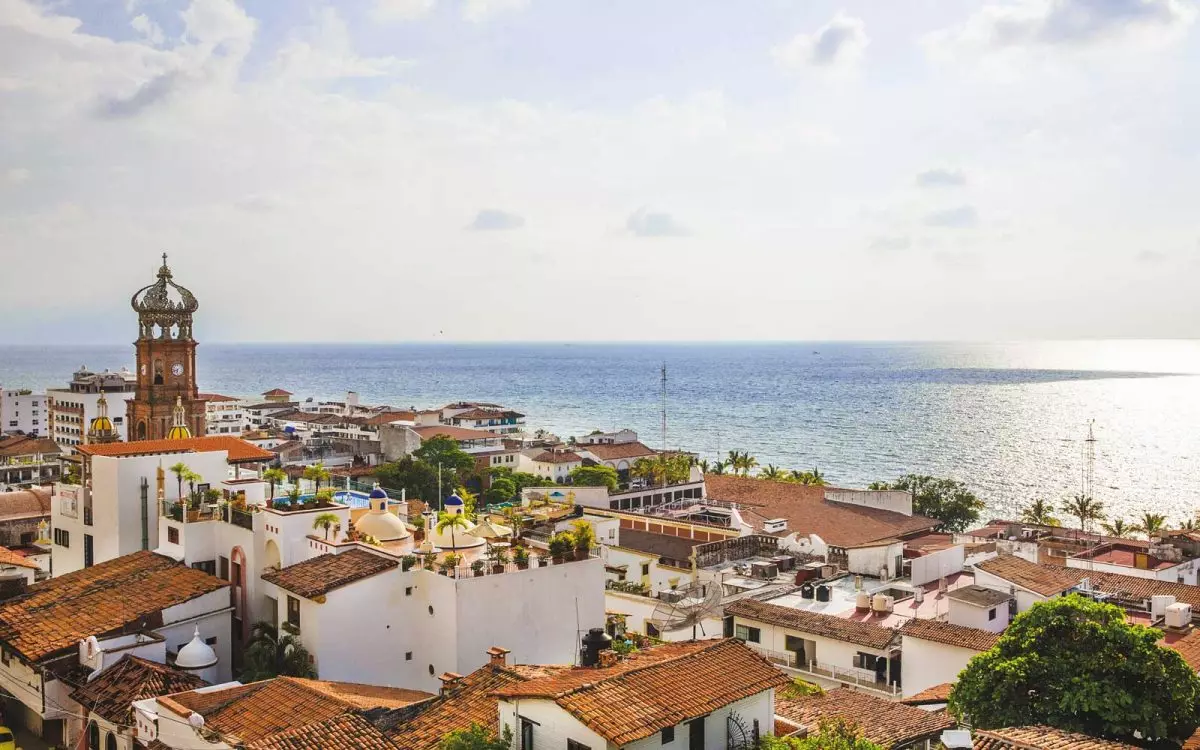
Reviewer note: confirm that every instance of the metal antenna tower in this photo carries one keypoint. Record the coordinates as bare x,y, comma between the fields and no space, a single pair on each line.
1089,460
664,406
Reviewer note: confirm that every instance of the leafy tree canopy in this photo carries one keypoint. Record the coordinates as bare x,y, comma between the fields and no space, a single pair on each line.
445,451
521,479
1075,664
274,654
832,734
418,479
478,737
595,476
502,490
947,500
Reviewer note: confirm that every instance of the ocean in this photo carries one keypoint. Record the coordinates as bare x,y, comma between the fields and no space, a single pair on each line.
1009,419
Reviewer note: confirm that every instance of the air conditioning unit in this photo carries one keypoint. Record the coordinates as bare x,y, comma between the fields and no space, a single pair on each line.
764,571
1159,604
1179,615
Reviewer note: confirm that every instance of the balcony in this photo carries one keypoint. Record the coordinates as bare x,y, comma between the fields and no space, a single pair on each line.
69,507
864,679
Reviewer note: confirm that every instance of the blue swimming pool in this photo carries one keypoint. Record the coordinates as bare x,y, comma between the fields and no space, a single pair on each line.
353,498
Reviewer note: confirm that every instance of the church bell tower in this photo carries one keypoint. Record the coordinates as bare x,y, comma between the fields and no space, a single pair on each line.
166,392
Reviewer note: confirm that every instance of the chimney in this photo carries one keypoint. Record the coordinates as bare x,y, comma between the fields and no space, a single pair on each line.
498,656
449,680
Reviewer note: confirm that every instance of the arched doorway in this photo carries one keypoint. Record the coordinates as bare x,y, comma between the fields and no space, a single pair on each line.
141,430
93,736
111,742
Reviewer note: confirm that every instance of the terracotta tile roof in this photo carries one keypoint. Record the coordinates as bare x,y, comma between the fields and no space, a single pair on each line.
263,709
557,457
615,451
273,406
469,701
1049,580
935,694
388,417
324,573
27,445
8,557
808,512
348,731
883,722
277,392
1189,648
30,503
656,688
131,679
216,397
827,626
1042,738
454,433
950,634
488,414
58,613
239,450
1193,742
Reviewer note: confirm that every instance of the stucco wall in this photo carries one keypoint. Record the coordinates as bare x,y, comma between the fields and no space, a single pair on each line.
926,664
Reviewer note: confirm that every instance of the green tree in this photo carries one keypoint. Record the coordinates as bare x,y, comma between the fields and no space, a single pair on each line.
718,468
947,500
316,473
1075,664
833,733
452,521
180,470
771,471
272,654
478,737
1039,512
521,479
1150,524
1187,524
418,479
274,477
502,490
326,521
595,476
1118,528
445,451
1085,508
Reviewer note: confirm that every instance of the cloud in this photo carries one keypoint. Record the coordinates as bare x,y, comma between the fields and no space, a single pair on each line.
890,244
645,223
1151,257
958,260
941,178
259,203
16,175
151,92
478,11
490,219
324,52
149,30
962,217
840,42
1069,23
402,10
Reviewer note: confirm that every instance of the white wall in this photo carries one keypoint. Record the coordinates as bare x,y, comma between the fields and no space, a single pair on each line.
641,608
211,614
925,664
1025,598
896,501
971,616
1185,570
869,561
932,566
554,725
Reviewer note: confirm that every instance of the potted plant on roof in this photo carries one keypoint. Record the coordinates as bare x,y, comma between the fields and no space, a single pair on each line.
521,558
584,536
450,562
500,559
419,532
477,568
561,545
407,562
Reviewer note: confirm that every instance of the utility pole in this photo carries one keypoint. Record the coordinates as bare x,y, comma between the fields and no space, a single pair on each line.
441,503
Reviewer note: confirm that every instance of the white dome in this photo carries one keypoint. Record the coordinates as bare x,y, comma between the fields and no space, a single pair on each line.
459,538
382,525
196,655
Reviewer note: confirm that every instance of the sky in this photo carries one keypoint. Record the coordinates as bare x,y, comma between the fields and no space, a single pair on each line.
568,170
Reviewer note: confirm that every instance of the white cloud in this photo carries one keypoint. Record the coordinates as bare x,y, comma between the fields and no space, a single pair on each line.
938,177
16,175
839,43
961,217
491,219
403,10
478,11
149,30
890,243
646,223
324,52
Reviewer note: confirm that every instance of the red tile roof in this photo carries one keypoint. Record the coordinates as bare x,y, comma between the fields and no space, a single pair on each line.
656,688
454,433
808,512
263,709
935,694
488,414
8,557
348,731
827,626
20,504
883,722
946,633
28,445
615,451
124,592
388,417
216,397
277,392
1048,580
1189,648
1042,738
131,679
468,701
324,573
557,457
239,450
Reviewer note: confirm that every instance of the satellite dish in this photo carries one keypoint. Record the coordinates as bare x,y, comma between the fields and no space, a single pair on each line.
196,720
687,607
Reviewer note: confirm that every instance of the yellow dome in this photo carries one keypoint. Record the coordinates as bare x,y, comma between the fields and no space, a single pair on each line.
179,432
102,424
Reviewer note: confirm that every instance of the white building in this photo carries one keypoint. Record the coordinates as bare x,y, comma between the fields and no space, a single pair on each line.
142,604
555,464
74,407
108,697
26,460
22,410
224,415
935,652
608,438
488,417
115,508
714,695
1162,562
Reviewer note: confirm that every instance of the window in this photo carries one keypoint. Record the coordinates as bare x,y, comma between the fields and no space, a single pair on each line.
293,612
208,566
668,735
172,535
864,660
573,745
746,633
211,641
111,742
408,590
645,569
223,567
89,552
992,613
408,656
526,734
62,538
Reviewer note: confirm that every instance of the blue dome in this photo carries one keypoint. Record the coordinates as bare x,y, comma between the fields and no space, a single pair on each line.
454,500
378,493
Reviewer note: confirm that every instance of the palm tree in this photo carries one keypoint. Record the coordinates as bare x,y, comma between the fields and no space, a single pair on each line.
734,461
748,463
451,521
326,521
1118,528
817,478
274,477
771,472
270,654
316,473
704,465
1039,512
1187,524
719,468
191,478
179,470
1085,509
1150,524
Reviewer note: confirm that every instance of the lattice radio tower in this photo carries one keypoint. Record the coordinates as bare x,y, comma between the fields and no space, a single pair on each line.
1089,461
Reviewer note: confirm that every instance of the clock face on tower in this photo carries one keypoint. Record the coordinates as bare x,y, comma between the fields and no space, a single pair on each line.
177,369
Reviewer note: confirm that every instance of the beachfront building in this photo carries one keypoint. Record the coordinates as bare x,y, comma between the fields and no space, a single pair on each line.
715,695
608,438
23,411
619,456
554,464
470,441
27,460
72,409
488,417
224,415
70,626
115,508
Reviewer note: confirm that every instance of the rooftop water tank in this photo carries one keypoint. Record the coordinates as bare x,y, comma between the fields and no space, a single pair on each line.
862,602
822,593
806,591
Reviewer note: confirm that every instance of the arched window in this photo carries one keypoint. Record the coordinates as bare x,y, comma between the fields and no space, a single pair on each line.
111,742
141,430
93,736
